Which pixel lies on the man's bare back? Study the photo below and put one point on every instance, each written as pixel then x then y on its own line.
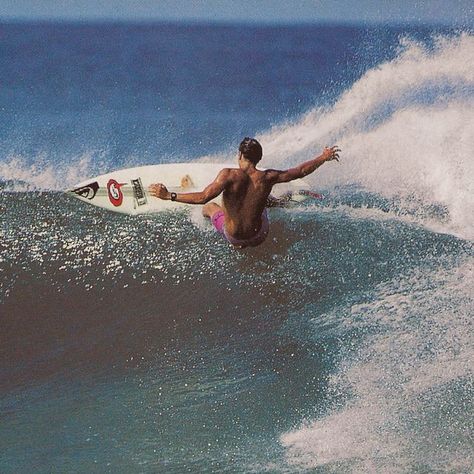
pixel 242 220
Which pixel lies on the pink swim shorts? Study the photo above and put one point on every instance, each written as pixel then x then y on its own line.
pixel 218 221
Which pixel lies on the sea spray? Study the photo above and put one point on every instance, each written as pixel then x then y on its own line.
pixel 406 130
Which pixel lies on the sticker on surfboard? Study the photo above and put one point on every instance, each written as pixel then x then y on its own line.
pixel 115 193
pixel 138 191
pixel 88 191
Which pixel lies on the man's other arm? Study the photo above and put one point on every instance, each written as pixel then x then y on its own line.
pixel 306 168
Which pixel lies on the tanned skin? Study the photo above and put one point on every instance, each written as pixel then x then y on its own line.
pixel 245 192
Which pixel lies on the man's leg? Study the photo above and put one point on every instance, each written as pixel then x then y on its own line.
pixel 210 209
pixel 216 214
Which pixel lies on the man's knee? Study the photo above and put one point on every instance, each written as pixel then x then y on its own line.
pixel 210 209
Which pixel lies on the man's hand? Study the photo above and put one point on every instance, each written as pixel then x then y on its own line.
pixel 332 153
pixel 159 190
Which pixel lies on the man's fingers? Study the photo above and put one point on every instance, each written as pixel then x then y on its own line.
pixel 155 186
pixel 154 189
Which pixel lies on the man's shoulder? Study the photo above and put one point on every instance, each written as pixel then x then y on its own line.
pixel 232 172
pixel 237 174
pixel 228 175
pixel 271 175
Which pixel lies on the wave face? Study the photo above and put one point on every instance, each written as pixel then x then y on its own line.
pixel 145 344
pixel 410 380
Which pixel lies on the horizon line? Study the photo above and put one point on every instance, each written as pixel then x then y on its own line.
pixel 227 22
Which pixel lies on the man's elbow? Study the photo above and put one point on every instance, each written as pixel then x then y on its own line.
pixel 298 173
pixel 303 174
pixel 205 198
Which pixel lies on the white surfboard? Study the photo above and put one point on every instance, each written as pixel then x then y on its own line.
pixel 126 190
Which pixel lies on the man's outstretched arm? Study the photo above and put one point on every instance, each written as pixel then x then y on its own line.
pixel 306 168
pixel 210 192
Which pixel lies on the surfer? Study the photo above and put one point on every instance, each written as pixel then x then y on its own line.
pixel 243 219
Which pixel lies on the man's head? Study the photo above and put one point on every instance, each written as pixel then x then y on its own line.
pixel 251 150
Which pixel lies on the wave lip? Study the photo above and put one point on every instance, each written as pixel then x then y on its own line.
pixel 405 128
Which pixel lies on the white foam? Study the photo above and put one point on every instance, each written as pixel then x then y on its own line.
pixel 43 175
pixel 415 217
pixel 406 129
pixel 198 220
pixel 419 340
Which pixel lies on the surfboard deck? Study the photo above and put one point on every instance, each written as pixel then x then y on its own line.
pixel 126 190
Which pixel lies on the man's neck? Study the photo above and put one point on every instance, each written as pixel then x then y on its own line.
pixel 246 165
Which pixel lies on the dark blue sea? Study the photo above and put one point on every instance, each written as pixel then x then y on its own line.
pixel 343 344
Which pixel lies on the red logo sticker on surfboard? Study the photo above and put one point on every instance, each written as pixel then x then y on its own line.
pixel 115 193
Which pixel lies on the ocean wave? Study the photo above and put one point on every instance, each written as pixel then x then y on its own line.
pixel 405 128
pixel 407 385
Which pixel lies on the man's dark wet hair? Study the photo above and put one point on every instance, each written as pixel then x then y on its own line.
pixel 251 149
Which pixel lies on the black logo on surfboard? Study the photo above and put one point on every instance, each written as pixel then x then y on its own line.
pixel 138 191
pixel 87 192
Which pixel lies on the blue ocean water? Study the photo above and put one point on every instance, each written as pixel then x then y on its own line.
pixel 146 344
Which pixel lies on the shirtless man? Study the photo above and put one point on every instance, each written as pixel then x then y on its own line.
pixel 243 220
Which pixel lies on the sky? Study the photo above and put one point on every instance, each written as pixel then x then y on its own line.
pixel 459 12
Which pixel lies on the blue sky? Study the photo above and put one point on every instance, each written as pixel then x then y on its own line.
pixel 272 11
